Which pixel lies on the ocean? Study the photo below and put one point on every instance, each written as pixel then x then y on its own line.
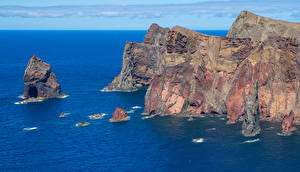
pixel 87 61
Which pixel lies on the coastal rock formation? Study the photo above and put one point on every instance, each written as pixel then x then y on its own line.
pixel 251 120
pixel 258 28
pixel 141 61
pixel 119 115
pixel 192 74
pixel 288 124
pixel 40 81
pixel 210 74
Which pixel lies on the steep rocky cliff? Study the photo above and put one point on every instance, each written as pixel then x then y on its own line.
pixel 141 61
pixel 40 81
pixel 192 74
pixel 214 75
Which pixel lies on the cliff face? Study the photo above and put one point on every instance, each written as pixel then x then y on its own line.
pixel 40 81
pixel 209 74
pixel 141 61
pixel 258 28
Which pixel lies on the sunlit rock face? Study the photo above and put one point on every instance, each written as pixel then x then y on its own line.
pixel 40 81
pixel 189 73
pixel 210 74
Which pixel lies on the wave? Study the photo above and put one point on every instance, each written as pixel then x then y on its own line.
pixel 130 111
pixel 211 129
pixel 29 129
pixel 198 140
pixel 251 141
pixel 136 107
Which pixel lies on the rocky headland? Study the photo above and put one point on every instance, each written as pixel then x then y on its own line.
pixel 40 82
pixel 252 74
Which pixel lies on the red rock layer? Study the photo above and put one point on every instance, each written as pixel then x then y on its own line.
pixel 119 115
pixel 209 74
pixel 288 123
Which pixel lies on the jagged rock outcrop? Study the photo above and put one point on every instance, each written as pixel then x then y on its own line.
pixel 258 28
pixel 40 81
pixel 141 61
pixel 288 124
pixel 250 125
pixel 119 115
pixel 210 74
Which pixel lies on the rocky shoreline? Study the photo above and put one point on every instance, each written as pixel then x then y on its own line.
pixel 252 74
pixel 189 73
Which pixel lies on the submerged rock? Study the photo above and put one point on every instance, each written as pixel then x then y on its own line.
pixel 62 115
pixel 97 116
pixel 39 81
pixel 288 124
pixel 119 115
pixel 250 125
pixel 82 124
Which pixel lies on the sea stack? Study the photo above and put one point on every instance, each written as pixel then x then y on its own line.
pixel 288 124
pixel 251 120
pixel 39 81
pixel 119 115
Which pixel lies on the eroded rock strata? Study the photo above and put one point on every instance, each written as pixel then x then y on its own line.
pixel 214 75
pixel 40 81
pixel 192 74
pixel 141 61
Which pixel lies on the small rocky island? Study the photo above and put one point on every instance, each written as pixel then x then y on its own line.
pixel 252 74
pixel 119 115
pixel 40 82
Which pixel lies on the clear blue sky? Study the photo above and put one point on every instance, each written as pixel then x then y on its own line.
pixel 137 14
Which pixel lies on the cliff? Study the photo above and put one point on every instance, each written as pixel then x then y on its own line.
pixel 190 73
pixel 215 74
pixel 141 61
pixel 40 81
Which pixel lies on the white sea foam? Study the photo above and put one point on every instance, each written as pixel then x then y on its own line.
pixel 136 107
pixel 130 111
pixel 29 129
pixel 252 141
pixel 198 140
pixel 210 129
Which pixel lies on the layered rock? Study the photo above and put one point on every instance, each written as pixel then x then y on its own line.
pixel 250 125
pixel 192 74
pixel 288 124
pixel 210 74
pixel 141 61
pixel 119 115
pixel 40 81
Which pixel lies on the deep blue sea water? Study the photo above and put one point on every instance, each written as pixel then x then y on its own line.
pixel 85 62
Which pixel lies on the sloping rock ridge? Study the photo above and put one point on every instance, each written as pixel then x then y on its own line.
pixel 141 61
pixel 258 28
pixel 40 81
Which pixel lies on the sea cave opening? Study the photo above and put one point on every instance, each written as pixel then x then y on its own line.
pixel 33 92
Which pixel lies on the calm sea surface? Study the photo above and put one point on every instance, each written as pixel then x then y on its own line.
pixel 85 62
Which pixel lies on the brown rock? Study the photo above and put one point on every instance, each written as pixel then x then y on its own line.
pixel 40 81
pixel 119 115
pixel 288 124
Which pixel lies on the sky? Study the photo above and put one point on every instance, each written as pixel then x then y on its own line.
pixel 136 14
